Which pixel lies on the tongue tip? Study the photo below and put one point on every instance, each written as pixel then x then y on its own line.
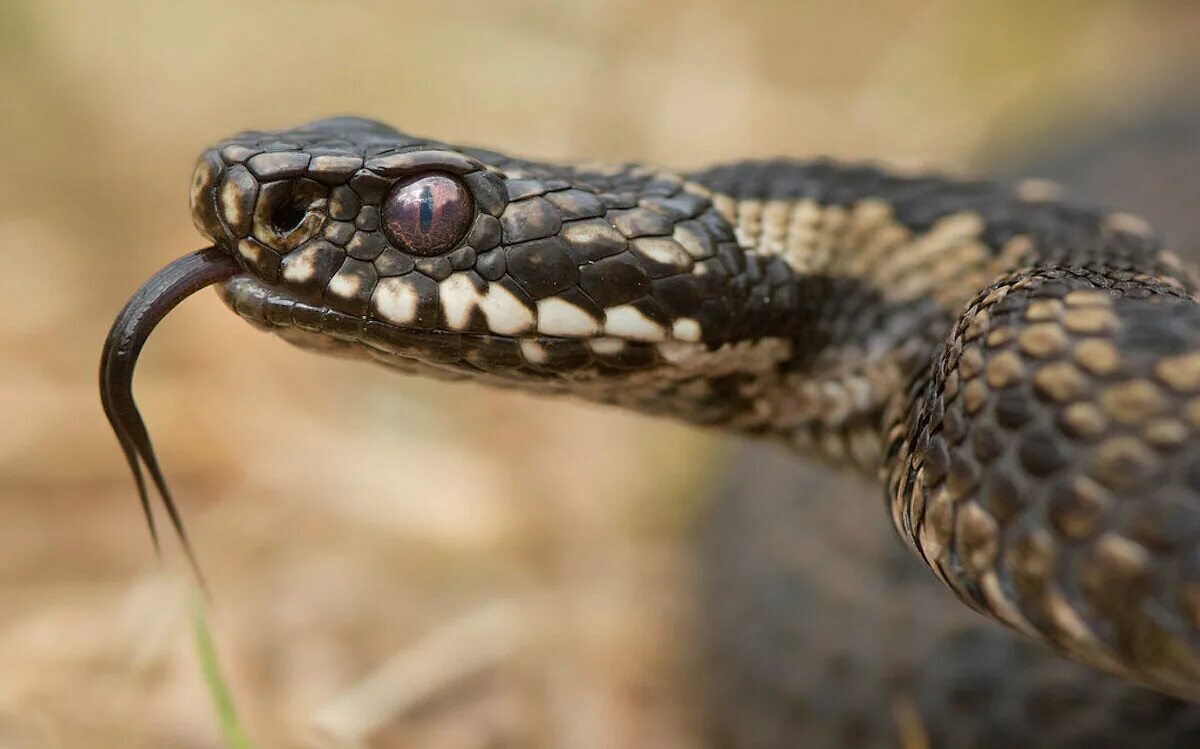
pixel 145 309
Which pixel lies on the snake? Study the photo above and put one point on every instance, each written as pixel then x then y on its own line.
pixel 1020 374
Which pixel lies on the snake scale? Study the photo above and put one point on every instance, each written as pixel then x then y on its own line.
pixel 1021 374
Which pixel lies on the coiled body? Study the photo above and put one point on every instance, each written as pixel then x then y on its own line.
pixel 1046 465
pixel 1024 375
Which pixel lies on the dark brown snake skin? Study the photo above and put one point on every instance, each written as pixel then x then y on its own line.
pixel 1024 374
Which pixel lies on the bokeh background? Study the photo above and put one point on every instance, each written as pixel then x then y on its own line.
pixel 403 563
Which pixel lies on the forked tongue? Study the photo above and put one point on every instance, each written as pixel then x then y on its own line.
pixel 148 306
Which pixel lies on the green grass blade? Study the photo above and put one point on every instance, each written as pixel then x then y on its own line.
pixel 231 729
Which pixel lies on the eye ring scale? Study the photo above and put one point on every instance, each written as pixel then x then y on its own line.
pixel 427 214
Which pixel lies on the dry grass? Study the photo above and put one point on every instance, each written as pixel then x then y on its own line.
pixel 402 563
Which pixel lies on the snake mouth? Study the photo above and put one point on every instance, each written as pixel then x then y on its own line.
pixel 313 324
pixel 544 361
pixel 132 327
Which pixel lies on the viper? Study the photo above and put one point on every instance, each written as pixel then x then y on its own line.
pixel 1020 374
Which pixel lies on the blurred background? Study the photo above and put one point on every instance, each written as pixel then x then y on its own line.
pixel 397 562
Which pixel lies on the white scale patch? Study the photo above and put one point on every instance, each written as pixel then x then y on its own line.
pixel 1130 224
pixel 301 266
pixel 533 351
pixel 395 300
pixel 558 317
pixel 1039 191
pixel 627 321
pixel 459 298
pixel 664 251
pixel 947 262
pixel 505 314
pixel 686 329
pixel 250 250
pixel 689 241
pixel 345 285
pixel 606 346
pixel 230 205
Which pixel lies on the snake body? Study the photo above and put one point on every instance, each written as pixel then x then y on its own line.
pixel 1022 374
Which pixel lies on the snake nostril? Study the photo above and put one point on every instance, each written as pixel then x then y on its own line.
pixel 288 213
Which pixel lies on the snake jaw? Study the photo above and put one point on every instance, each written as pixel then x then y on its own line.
pixel 132 327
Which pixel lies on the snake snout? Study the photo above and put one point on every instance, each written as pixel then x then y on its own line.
pixel 260 208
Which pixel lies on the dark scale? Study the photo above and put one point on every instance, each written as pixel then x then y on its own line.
pixel 437 268
pixel 542 267
pixel 393 262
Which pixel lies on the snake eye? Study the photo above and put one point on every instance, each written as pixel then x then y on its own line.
pixel 427 214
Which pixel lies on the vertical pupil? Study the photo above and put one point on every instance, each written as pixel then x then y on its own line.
pixel 426 214
pixel 425 219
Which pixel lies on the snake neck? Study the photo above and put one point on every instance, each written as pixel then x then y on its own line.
pixel 884 266
pixel 1039 443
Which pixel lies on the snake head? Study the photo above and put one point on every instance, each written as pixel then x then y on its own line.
pixel 301 207
pixel 358 239
pixel 345 236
